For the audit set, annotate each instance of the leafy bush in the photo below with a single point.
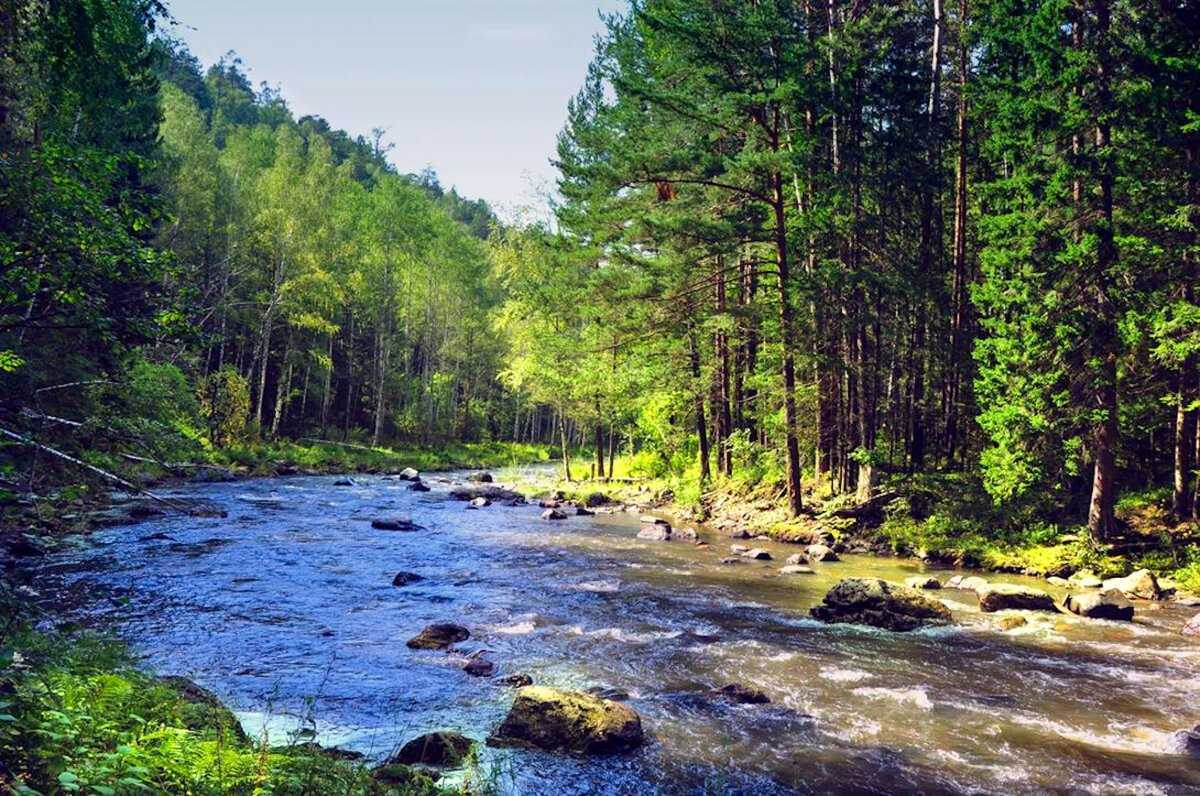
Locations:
(225, 403)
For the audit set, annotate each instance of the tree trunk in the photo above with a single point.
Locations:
(566, 452)
(960, 375)
(795, 500)
(701, 425)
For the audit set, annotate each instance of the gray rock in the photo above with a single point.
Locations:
(820, 552)
(875, 602)
(553, 514)
(480, 502)
(655, 532)
(438, 636)
(757, 554)
(797, 569)
(1009, 597)
(418, 486)
(409, 474)
(1141, 585)
(395, 524)
(1110, 604)
(519, 680)
(742, 695)
(922, 582)
(480, 478)
(439, 749)
(406, 579)
(1192, 628)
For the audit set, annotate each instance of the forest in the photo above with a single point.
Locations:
(802, 258)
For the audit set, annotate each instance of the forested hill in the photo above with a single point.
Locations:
(170, 231)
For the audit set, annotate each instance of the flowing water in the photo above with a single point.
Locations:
(285, 609)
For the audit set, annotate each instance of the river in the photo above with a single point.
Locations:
(285, 608)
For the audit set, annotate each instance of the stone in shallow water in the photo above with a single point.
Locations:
(1111, 604)
(820, 552)
(1192, 628)
(655, 532)
(742, 694)
(1010, 597)
(519, 680)
(875, 602)
(442, 748)
(394, 524)
(553, 514)
(406, 578)
(1141, 585)
(797, 569)
(418, 486)
(479, 667)
(922, 582)
(757, 554)
(438, 636)
(552, 719)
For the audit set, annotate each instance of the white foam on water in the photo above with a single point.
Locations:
(845, 675)
(1124, 738)
(519, 629)
(600, 586)
(626, 636)
(917, 697)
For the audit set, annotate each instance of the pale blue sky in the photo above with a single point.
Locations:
(476, 89)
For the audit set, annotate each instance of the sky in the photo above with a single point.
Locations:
(476, 89)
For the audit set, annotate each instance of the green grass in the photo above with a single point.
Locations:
(77, 717)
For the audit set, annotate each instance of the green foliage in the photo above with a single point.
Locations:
(77, 718)
(224, 399)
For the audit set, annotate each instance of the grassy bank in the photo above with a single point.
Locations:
(944, 518)
(77, 717)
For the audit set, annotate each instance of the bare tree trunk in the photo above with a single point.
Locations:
(566, 453)
(698, 401)
(960, 378)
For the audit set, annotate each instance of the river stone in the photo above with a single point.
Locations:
(922, 582)
(1055, 580)
(742, 694)
(344, 482)
(549, 718)
(418, 486)
(553, 514)
(796, 559)
(395, 524)
(738, 533)
(1110, 604)
(519, 680)
(966, 583)
(1011, 622)
(820, 552)
(442, 748)
(479, 503)
(731, 560)
(757, 554)
(481, 478)
(438, 636)
(1192, 628)
(690, 534)
(479, 667)
(204, 710)
(739, 549)
(580, 511)
(1085, 579)
(655, 532)
(1141, 585)
(1010, 597)
(796, 569)
(595, 499)
(1188, 741)
(406, 578)
(409, 474)
(875, 602)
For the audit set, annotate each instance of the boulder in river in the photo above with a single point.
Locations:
(469, 492)
(687, 534)
(742, 694)
(922, 582)
(1010, 597)
(1141, 585)
(1085, 579)
(553, 719)
(479, 667)
(595, 499)
(580, 511)
(820, 552)
(797, 569)
(655, 532)
(519, 680)
(418, 486)
(480, 502)
(481, 478)
(796, 559)
(553, 514)
(344, 482)
(394, 524)
(875, 602)
(438, 636)
(406, 578)
(966, 583)
(757, 554)
(442, 748)
(1188, 741)
(1111, 604)
(1192, 628)
(409, 474)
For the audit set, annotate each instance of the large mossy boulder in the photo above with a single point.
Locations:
(1111, 604)
(441, 748)
(875, 602)
(549, 718)
(1010, 597)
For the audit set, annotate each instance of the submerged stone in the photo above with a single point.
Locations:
(742, 694)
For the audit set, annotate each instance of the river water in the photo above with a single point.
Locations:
(285, 609)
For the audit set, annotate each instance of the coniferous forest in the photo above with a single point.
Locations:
(905, 278)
